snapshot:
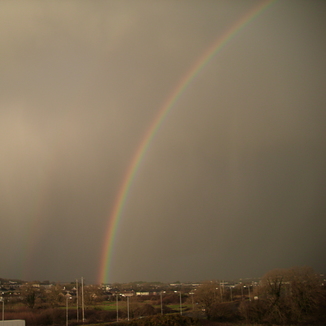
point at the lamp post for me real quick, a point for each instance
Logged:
(161, 303)
(3, 308)
(192, 300)
(83, 306)
(77, 306)
(117, 305)
(67, 311)
(249, 292)
(180, 304)
(128, 306)
(221, 293)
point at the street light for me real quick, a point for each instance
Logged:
(3, 308)
(82, 298)
(128, 306)
(67, 297)
(77, 303)
(180, 301)
(192, 300)
(117, 305)
(249, 292)
(221, 292)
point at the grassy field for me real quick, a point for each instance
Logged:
(111, 306)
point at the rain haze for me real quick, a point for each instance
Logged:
(232, 183)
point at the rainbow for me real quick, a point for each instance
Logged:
(167, 106)
(34, 234)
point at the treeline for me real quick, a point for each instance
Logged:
(283, 297)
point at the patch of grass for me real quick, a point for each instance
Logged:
(111, 305)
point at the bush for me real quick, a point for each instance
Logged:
(253, 312)
(170, 299)
(165, 320)
(99, 316)
(226, 312)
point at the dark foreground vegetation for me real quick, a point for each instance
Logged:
(293, 296)
(165, 320)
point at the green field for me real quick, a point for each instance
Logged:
(123, 305)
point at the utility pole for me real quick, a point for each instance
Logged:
(117, 297)
(77, 294)
(83, 308)
(161, 304)
(67, 304)
(192, 301)
(2, 299)
(249, 292)
(128, 306)
(221, 293)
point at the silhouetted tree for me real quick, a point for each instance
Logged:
(32, 295)
(55, 296)
(285, 296)
(208, 295)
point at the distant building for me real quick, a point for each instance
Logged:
(142, 293)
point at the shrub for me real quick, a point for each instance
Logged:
(165, 320)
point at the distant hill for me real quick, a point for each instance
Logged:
(10, 280)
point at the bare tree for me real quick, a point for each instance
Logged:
(32, 295)
(208, 295)
(92, 294)
(304, 291)
(55, 296)
(285, 296)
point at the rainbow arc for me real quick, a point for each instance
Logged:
(163, 112)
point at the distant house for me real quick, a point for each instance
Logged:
(142, 293)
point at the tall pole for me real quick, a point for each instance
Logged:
(117, 304)
(67, 297)
(77, 295)
(180, 304)
(249, 292)
(221, 294)
(3, 308)
(192, 301)
(128, 307)
(161, 304)
(83, 308)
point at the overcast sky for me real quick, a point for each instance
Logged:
(232, 185)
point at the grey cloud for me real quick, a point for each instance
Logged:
(232, 183)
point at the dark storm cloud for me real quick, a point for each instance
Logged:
(232, 184)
